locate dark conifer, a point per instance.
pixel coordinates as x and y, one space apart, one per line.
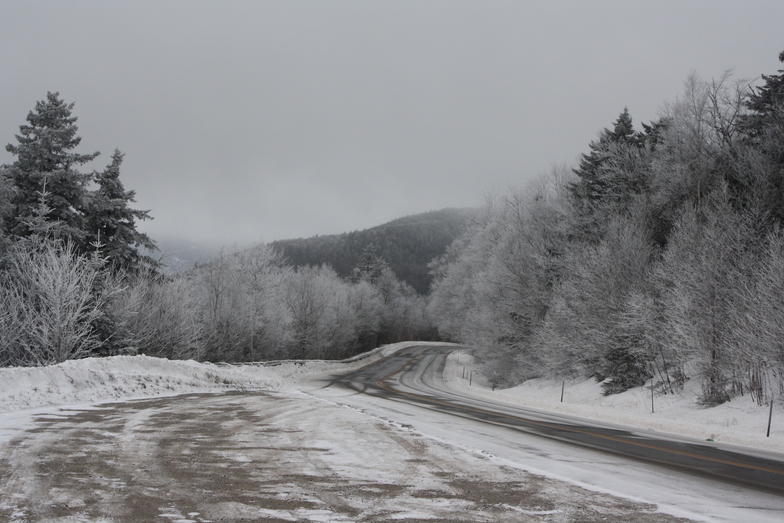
111 223
766 103
764 130
592 185
606 176
50 197
45 163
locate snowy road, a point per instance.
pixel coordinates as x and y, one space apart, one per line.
409 388
295 441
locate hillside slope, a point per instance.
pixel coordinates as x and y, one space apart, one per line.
408 244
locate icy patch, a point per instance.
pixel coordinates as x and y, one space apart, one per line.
532 512
316 515
174 516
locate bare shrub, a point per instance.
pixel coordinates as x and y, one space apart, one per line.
48 304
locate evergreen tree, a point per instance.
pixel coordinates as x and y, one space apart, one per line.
111 224
50 197
608 176
45 162
653 133
6 194
623 129
764 130
592 185
371 266
767 104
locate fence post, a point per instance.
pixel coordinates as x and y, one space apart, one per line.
563 385
652 411
770 415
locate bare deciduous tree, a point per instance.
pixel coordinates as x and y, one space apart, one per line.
49 304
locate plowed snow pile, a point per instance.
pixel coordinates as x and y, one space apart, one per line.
25 391
95 380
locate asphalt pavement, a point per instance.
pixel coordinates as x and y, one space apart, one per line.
414 375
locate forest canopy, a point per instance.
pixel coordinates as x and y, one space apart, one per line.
659 257
77 278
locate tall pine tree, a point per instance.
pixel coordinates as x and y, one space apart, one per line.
764 130
766 103
593 186
111 224
51 197
45 166
607 177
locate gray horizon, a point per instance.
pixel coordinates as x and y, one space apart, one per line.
247 121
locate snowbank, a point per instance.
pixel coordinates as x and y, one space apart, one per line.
94 380
119 378
738 422
29 392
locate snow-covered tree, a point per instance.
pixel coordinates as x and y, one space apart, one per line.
49 307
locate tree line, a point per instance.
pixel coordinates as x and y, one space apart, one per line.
77 279
407 244
659 257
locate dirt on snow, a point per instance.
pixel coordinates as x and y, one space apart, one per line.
251 456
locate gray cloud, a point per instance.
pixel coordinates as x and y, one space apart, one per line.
244 121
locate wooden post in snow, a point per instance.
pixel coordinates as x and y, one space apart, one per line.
652 395
770 415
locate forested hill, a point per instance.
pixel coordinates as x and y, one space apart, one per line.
408 244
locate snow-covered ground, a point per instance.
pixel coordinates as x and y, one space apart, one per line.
277 453
24 391
31 396
28 391
738 422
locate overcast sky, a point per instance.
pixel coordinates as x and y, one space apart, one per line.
256 121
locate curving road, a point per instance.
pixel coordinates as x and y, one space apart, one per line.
414 376
407 449
271 456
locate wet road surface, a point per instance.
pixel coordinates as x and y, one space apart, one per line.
415 375
270 457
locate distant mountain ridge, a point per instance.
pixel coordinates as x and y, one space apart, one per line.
177 255
408 244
